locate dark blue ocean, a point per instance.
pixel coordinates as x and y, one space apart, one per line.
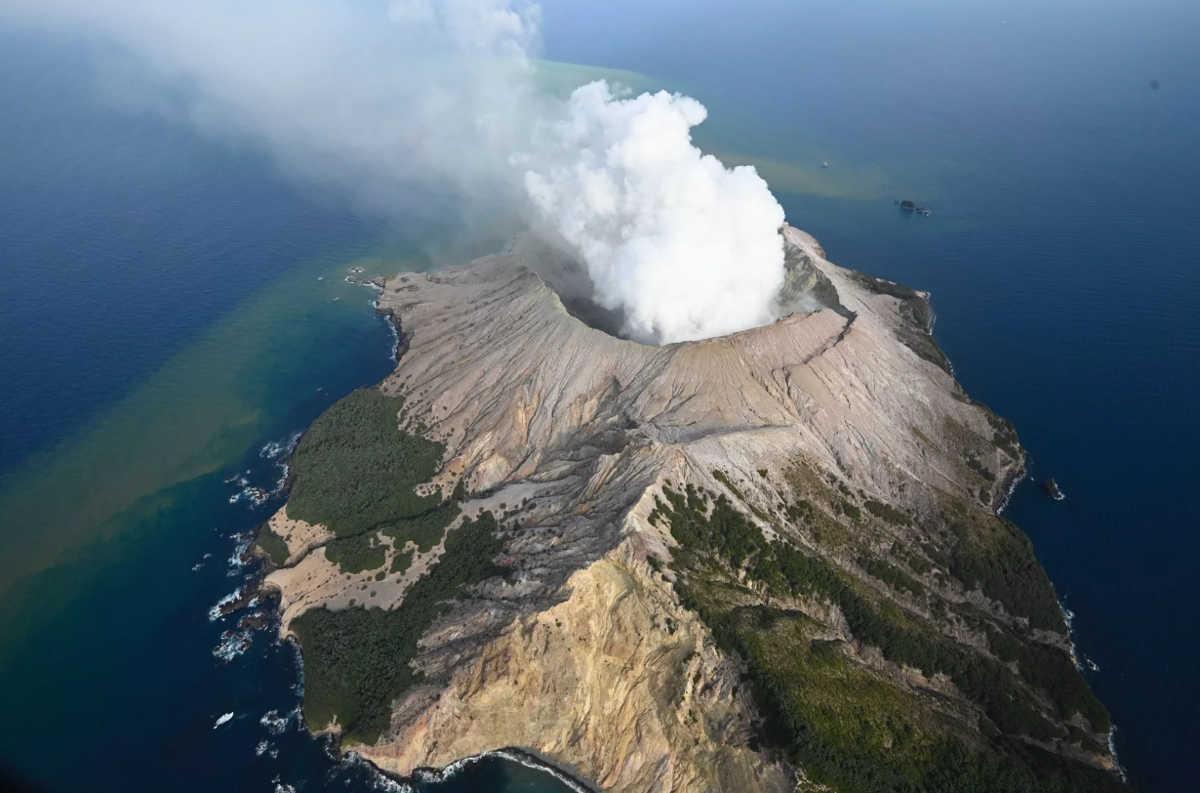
173 313
162 322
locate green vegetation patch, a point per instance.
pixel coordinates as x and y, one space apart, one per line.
849 510
847 727
356 470
824 697
979 468
827 531
726 531
732 539
272 545
424 530
1052 670
886 512
915 561
1004 433
402 561
852 730
996 557
891 575
358 553
724 479
356 661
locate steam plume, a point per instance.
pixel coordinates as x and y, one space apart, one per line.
685 247
377 96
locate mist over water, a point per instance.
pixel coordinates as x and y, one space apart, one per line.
375 97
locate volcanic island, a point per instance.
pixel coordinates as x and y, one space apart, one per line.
770 561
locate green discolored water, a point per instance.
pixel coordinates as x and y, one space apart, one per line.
273 354
129 534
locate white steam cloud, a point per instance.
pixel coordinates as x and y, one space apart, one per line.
375 96
683 246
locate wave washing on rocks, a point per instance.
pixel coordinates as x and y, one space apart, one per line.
220 610
275 723
1012 488
257 495
235 641
281 453
1112 748
427 775
377 284
1081 661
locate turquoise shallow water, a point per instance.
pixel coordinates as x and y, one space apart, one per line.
163 321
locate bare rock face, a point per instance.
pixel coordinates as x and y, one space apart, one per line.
617 682
522 391
584 653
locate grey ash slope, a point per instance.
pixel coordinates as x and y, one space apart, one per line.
733 563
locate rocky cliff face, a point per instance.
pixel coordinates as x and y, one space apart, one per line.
617 682
714 550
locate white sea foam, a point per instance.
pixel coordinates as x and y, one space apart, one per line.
1069 618
267 748
233 644
281 482
237 560
274 449
350 279
379 780
1077 658
395 334
274 723
257 496
1112 749
513 756
1012 488
280 452
214 613
529 762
